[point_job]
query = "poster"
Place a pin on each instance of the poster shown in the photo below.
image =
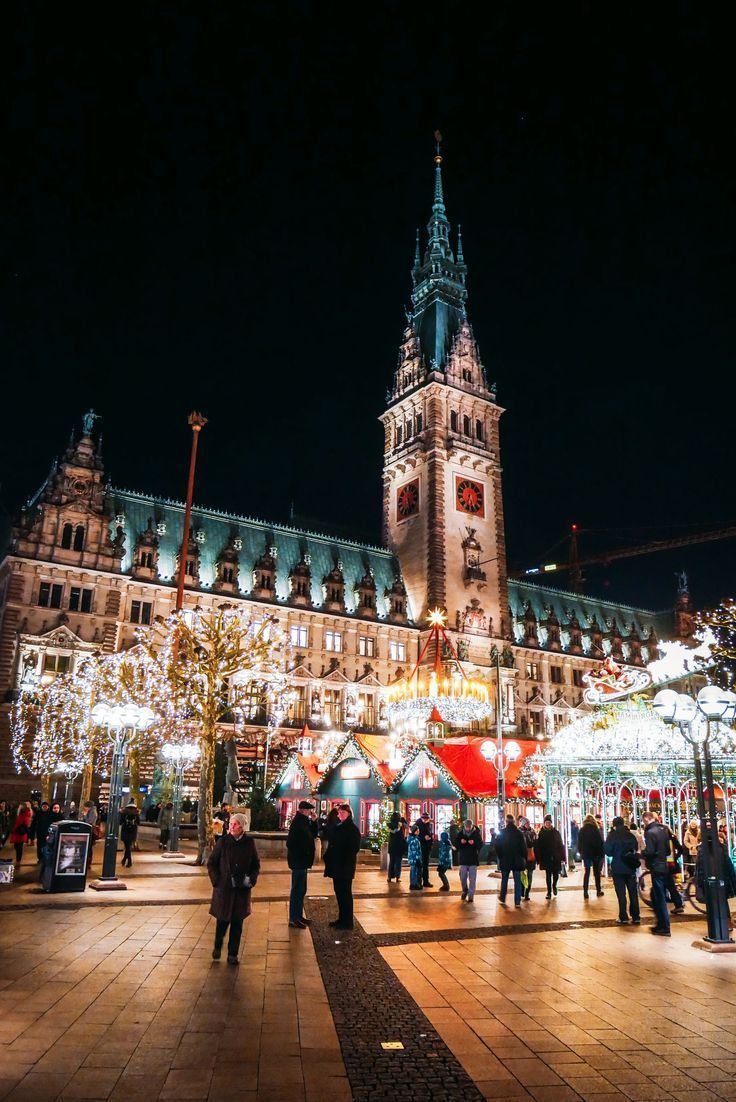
(71, 857)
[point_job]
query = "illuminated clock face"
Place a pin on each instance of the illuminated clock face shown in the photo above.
(470, 496)
(407, 500)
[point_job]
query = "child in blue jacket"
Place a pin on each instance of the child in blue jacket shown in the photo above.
(444, 860)
(414, 858)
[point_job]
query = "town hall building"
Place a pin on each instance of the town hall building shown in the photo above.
(89, 562)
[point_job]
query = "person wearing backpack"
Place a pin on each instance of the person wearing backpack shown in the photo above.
(622, 847)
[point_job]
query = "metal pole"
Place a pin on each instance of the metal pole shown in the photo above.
(715, 889)
(197, 422)
(178, 782)
(113, 812)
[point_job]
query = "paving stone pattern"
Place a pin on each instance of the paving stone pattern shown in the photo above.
(370, 1005)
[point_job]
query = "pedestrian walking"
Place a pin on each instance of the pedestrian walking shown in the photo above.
(165, 821)
(233, 868)
(444, 860)
(414, 859)
(396, 846)
(550, 851)
(40, 827)
(512, 850)
(656, 845)
(621, 846)
(590, 848)
(469, 845)
(344, 847)
(300, 851)
(128, 832)
(574, 835)
(21, 832)
(426, 838)
(530, 840)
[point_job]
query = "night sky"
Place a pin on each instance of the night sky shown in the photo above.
(213, 206)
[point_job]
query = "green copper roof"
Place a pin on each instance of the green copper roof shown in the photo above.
(439, 295)
(213, 529)
(564, 604)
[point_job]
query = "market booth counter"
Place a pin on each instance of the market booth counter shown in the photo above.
(65, 869)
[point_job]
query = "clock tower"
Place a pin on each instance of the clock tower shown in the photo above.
(442, 502)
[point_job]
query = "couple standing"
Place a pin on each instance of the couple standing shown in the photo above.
(342, 839)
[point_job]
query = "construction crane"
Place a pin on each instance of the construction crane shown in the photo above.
(575, 564)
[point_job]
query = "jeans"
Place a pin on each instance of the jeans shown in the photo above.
(415, 876)
(596, 864)
(441, 872)
(518, 889)
(296, 896)
(233, 942)
(163, 838)
(468, 876)
(659, 901)
(530, 866)
(343, 886)
(622, 885)
(552, 876)
(394, 865)
(426, 850)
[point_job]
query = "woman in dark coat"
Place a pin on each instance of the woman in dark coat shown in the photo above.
(21, 831)
(590, 848)
(129, 832)
(396, 846)
(343, 853)
(233, 868)
(326, 836)
(550, 851)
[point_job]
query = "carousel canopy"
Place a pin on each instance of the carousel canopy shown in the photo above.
(628, 731)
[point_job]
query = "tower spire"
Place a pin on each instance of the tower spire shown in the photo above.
(438, 226)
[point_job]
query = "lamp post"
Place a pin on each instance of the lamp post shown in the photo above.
(181, 756)
(501, 759)
(694, 717)
(119, 720)
(71, 770)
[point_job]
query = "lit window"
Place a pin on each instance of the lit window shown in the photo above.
(80, 600)
(333, 640)
(366, 646)
(140, 612)
(299, 635)
(49, 596)
(397, 651)
(428, 777)
(532, 671)
(54, 665)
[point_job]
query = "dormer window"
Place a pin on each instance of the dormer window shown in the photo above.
(228, 574)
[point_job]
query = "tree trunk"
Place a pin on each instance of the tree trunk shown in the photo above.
(134, 770)
(205, 834)
(86, 791)
(46, 787)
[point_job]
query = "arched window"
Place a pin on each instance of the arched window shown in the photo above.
(453, 420)
(466, 425)
(479, 430)
(66, 536)
(79, 538)
(147, 560)
(418, 423)
(227, 573)
(399, 435)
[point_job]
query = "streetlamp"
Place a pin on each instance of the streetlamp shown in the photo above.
(71, 770)
(501, 759)
(694, 718)
(119, 721)
(181, 756)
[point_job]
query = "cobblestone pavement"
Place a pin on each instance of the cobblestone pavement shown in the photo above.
(112, 1000)
(371, 1007)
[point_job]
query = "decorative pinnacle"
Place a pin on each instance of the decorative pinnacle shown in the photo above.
(417, 256)
(197, 421)
(460, 257)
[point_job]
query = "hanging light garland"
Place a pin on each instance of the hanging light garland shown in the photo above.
(458, 700)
